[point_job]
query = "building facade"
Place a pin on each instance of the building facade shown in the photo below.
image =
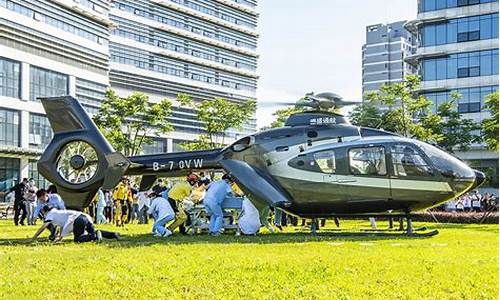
(457, 50)
(383, 55)
(204, 48)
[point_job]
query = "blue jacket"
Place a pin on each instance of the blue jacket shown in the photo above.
(217, 191)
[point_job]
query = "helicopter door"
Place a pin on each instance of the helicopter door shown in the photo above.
(411, 176)
(368, 181)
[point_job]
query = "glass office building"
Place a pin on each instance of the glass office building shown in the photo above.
(457, 50)
(204, 48)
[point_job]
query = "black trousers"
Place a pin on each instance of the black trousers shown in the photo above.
(108, 213)
(124, 205)
(19, 207)
(84, 231)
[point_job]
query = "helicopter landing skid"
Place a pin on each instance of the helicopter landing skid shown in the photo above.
(375, 233)
(409, 232)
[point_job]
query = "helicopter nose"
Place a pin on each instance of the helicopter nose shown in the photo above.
(480, 179)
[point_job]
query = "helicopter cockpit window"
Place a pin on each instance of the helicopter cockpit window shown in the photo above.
(367, 161)
(408, 162)
(326, 161)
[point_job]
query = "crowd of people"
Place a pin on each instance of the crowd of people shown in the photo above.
(472, 202)
(165, 203)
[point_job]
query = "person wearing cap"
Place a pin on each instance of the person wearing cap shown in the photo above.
(162, 212)
(72, 221)
(179, 191)
(216, 192)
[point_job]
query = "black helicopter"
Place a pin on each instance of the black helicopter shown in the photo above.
(317, 166)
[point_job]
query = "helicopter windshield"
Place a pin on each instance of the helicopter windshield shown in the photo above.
(446, 162)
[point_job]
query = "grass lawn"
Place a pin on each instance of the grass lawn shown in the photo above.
(459, 263)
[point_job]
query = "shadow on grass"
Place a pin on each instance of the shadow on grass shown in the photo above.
(300, 235)
(141, 240)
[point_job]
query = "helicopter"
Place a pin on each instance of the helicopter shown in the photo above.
(317, 166)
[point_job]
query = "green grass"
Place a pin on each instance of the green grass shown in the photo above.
(459, 263)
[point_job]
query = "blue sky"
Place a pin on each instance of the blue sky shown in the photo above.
(315, 45)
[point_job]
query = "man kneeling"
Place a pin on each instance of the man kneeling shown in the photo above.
(72, 220)
(162, 212)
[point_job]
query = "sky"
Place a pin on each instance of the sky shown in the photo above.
(315, 46)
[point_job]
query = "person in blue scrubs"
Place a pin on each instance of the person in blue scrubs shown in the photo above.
(216, 193)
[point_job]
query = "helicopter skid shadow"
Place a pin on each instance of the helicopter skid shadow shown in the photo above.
(266, 238)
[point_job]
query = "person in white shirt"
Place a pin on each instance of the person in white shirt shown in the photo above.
(476, 201)
(31, 201)
(80, 224)
(249, 220)
(143, 207)
(467, 203)
(162, 212)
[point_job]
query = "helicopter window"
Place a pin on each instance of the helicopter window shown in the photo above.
(367, 161)
(408, 162)
(325, 161)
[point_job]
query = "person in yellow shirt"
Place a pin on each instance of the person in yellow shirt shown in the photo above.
(198, 192)
(121, 196)
(178, 192)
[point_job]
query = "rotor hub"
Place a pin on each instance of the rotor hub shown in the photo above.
(77, 161)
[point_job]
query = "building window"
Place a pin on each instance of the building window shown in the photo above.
(9, 127)
(367, 161)
(45, 83)
(471, 100)
(40, 181)
(461, 65)
(9, 173)
(157, 146)
(40, 131)
(10, 78)
(460, 30)
(430, 5)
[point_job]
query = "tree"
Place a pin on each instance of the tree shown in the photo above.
(283, 114)
(367, 115)
(218, 115)
(127, 123)
(456, 131)
(490, 125)
(409, 114)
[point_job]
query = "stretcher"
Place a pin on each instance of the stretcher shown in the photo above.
(231, 207)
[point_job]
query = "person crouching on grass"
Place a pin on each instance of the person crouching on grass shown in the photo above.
(162, 212)
(73, 221)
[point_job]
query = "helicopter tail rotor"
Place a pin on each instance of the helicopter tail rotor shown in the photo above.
(78, 160)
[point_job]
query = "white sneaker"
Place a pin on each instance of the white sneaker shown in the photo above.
(98, 235)
(157, 234)
(167, 233)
